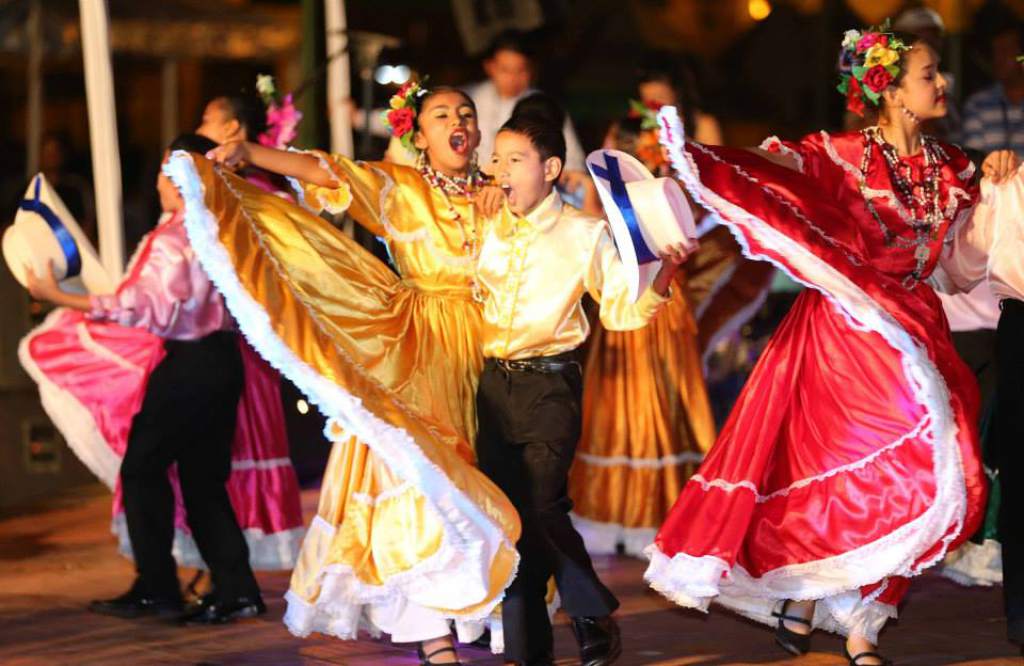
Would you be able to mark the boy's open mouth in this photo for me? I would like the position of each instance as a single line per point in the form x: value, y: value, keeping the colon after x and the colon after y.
x: 509, y: 193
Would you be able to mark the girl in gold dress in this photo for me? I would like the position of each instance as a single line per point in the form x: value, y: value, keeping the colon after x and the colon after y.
x: 408, y: 534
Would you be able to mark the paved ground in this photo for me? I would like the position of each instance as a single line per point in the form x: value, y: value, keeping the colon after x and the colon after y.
x: 54, y: 558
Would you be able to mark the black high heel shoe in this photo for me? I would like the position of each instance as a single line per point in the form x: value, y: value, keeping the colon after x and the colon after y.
x: 855, y: 660
x: 425, y: 659
x: 789, y: 640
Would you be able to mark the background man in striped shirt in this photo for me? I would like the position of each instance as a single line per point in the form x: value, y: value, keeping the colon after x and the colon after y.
x: 994, y: 116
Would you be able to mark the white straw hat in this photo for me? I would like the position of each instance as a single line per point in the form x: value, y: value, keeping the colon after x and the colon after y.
x: 45, y: 232
x: 647, y: 214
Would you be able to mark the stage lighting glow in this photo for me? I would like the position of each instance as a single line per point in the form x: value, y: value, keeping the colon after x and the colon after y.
x: 392, y: 74
x: 759, y: 9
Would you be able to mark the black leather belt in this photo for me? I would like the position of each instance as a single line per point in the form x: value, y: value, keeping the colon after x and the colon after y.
x: 543, y: 364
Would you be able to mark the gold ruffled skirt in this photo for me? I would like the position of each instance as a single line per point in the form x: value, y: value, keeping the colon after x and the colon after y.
x: 647, y: 423
x: 405, y: 519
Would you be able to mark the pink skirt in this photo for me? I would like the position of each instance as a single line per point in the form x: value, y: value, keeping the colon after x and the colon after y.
x: 92, y: 378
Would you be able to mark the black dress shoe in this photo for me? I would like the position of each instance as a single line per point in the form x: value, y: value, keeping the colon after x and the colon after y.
x: 133, y: 604
x: 213, y: 610
x: 599, y: 640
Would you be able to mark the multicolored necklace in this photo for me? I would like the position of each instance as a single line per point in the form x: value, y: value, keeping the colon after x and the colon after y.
x: 920, y: 196
x: 460, y: 186
x: 464, y: 187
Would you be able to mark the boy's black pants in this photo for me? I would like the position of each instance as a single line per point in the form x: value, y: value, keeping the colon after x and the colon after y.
x: 187, y: 417
x: 529, y: 423
x: 1009, y: 457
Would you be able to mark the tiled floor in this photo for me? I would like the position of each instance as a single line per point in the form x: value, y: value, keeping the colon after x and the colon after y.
x: 55, y: 558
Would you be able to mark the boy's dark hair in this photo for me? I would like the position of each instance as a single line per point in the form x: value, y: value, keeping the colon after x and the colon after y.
x: 193, y: 143
x: 542, y: 128
x: 511, y: 40
x: 247, y: 108
x: 542, y: 105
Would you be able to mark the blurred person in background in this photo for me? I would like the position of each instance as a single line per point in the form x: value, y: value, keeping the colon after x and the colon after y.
x: 663, y: 79
x: 510, y: 69
x: 994, y: 116
x: 56, y: 156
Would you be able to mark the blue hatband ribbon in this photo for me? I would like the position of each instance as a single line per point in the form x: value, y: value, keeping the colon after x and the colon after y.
x: 67, y: 242
x: 613, y: 175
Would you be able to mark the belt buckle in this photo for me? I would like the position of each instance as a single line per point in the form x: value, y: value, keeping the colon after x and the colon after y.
x: 506, y: 364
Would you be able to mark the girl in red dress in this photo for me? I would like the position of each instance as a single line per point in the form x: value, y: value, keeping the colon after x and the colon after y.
x: 850, y: 462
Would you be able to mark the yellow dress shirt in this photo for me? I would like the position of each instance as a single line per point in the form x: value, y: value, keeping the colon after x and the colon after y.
x: 534, y: 271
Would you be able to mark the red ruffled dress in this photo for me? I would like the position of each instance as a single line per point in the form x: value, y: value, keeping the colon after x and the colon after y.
x: 850, y: 461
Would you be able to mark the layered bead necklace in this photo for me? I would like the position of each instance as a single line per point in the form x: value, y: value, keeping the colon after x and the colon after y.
x: 913, y: 196
x: 464, y: 187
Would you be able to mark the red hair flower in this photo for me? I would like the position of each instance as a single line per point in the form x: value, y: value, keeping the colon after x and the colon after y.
x: 877, y: 78
x: 401, y: 121
x: 869, y: 61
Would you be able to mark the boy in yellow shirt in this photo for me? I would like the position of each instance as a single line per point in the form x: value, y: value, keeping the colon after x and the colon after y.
x: 537, y: 260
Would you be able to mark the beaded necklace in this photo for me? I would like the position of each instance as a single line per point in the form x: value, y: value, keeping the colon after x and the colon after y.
x: 914, y: 196
x: 465, y: 187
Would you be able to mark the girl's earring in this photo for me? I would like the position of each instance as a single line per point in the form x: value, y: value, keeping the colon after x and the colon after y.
x: 911, y: 116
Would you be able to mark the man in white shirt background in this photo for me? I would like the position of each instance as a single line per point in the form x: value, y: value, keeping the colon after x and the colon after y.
x: 510, y: 66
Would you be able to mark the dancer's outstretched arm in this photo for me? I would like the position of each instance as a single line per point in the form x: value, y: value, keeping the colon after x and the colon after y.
x: 303, y: 166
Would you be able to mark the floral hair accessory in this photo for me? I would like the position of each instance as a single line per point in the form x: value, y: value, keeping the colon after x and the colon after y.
x: 868, y: 64
x: 282, y: 116
x: 400, y: 119
x: 647, y: 112
x: 647, y: 149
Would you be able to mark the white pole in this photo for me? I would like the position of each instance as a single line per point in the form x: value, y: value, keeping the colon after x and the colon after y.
x: 338, y: 85
x: 34, y: 121
x: 106, y: 164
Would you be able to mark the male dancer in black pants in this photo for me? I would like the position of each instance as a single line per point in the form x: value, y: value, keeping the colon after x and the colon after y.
x: 536, y: 261
x: 187, y: 417
x: 1009, y: 451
